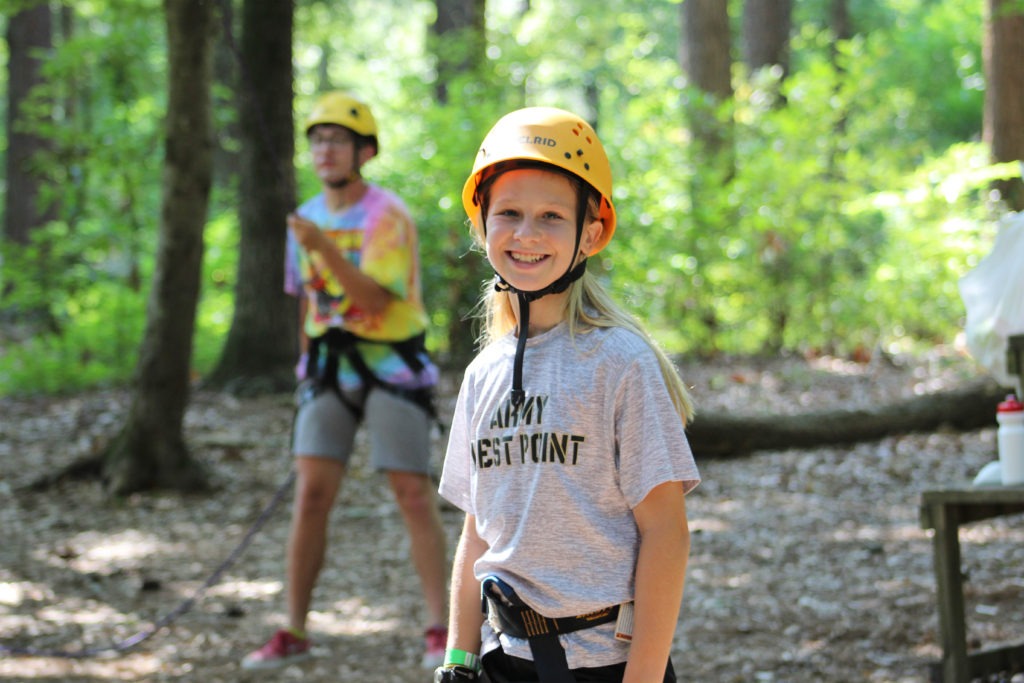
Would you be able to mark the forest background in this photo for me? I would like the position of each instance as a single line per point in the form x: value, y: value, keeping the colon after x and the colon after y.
x: 793, y: 179
x: 809, y: 177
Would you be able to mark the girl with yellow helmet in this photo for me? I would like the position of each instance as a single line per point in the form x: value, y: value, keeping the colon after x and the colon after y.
x: 574, y: 481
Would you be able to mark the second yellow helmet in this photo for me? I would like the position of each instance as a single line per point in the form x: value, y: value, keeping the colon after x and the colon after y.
x: 342, y: 109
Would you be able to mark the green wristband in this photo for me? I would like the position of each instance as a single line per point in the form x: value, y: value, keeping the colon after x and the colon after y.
x: 454, y: 657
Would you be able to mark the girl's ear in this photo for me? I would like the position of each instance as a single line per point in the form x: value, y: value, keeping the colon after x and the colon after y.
x: 592, y: 232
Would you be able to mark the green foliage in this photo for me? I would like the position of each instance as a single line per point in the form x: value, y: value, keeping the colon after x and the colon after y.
x: 792, y: 253
x: 220, y: 261
x: 79, y: 322
x: 941, y: 223
x: 87, y: 268
x: 855, y: 200
x: 931, y: 53
x: 924, y: 56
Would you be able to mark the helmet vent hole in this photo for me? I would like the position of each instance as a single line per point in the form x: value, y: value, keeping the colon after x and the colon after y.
x: 586, y: 166
x: 568, y: 156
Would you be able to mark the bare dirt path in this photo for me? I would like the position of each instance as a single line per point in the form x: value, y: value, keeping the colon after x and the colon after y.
x: 807, y: 565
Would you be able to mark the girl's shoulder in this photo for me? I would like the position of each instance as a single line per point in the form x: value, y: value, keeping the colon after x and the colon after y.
x: 617, y: 343
x: 487, y: 355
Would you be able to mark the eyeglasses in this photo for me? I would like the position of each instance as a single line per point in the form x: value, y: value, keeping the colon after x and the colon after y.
x: 329, y: 141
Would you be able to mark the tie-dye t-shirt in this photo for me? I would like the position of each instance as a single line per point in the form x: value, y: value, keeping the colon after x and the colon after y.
x: 379, y: 236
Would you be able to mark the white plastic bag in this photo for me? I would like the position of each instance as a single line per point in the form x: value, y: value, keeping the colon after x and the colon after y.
x: 993, y: 294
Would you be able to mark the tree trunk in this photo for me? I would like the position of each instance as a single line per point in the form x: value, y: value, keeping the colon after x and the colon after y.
x: 29, y: 36
x: 1003, y: 127
x: 150, y: 452
x: 261, y: 347
x: 842, y: 30
x: 766, y: 27
x: 227, y: 162
x: 707, y: 61
x: 76, y: 101
x: 458, y: 42
x: 972, y: 406
x: 839, y: 19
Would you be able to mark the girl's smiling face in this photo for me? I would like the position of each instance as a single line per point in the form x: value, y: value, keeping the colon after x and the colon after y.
x: 531, y: 227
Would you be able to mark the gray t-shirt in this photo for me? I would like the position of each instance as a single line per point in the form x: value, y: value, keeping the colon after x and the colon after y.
x: 552, y: 485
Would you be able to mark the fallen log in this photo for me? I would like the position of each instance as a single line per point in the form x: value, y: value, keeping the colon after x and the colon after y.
x: 965, y: 408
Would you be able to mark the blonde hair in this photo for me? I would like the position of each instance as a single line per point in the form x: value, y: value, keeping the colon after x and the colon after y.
x: 588, y: 307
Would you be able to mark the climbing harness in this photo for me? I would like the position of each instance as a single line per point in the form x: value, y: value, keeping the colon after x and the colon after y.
x: 337, y: 343
x: 507, y: 613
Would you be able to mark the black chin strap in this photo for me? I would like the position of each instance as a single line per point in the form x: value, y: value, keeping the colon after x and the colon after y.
x: 572, y: 274
x: 524, y: 299
x: 518, y: 393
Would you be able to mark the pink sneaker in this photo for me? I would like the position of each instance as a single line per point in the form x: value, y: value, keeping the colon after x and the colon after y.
x: 281, y: 650
x: 436, y: 638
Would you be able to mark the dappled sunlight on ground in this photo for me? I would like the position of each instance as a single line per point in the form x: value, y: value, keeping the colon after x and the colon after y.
x: 129, y: 668
x: 248, y: 590
x: 93, y: 551
x: 354, y: 617
x: 806, y: 565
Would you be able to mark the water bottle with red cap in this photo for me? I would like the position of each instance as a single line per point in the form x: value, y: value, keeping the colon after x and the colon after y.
x: 1010, y: 416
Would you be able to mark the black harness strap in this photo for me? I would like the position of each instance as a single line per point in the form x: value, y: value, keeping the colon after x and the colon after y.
x: 518, y: 393
x: 508, y: 614
x: 337, y: 342
x: 326, y: 378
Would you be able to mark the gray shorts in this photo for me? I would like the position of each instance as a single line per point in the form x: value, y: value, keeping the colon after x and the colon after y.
x: 399, y: 430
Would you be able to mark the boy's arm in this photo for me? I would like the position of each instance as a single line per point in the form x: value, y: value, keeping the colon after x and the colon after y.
x: 365, y: 292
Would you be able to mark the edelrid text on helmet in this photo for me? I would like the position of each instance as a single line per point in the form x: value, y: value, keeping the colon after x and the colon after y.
x: 342, y: 109
x: 553, y: 136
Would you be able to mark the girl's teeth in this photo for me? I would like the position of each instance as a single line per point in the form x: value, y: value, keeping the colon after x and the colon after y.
x: 528, y: 258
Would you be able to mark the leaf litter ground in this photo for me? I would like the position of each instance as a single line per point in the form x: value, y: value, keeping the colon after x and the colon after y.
x: 807, y: 565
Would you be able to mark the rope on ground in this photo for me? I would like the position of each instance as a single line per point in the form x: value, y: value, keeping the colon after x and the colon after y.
x: 183, y: 607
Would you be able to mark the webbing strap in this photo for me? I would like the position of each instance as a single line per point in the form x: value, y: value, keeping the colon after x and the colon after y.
x: 518, y: 394
x: 549, y: 659
x: 507, y: 613
x: 337, y: 342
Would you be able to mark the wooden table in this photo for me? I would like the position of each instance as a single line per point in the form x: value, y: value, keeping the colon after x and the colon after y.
x: 945, y: 510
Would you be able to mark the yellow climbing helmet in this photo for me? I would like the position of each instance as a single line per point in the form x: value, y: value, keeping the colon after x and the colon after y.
x: 550, y: 135
x: 342, y: 109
